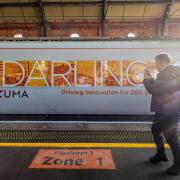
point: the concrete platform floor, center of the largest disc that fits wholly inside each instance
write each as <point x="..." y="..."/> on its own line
<point x="131" y="163"/>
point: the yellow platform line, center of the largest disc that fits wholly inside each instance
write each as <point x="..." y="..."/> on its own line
<point x="82" y="145"/>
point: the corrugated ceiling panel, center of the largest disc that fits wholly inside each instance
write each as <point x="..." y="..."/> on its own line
<point x="134" y="10"/>
<point x="155" y="10"/>
<point x="15" y="1"/>
<point x="52" y="0"/>
<point x="115" y="11"/>
<point x="28" y="0"/>
<point x="92" y="12"/>
<point x="69" y="0"/>
<point x="31" y="13"/>
<point x="72" y="1"/>
<point x="53" y="13"/>
<point x="13" y="13"/>
<point x="94" y="0"/>
<point x="72" y="12"/>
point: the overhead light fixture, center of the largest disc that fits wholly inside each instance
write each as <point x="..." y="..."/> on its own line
<point x="74" y="35"/>
<point x="18" y="35"/>
<point x="131" y="35"/>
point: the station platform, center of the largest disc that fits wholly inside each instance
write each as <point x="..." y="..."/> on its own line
<point x="26" y="151"/>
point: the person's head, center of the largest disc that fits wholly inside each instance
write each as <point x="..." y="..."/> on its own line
<point x="162" y="61"/>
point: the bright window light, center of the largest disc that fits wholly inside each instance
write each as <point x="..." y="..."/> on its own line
<point x="18" y="35"/>
<point x="74" y="35"/>
<point x="131" y="35"/>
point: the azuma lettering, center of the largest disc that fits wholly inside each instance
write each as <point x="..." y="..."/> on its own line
<point x="13" y="94"/>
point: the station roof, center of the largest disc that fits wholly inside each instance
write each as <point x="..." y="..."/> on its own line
<point x="67" y="10"/>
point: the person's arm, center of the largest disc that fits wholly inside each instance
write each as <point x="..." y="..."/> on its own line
<point x="149" y="83"/>
<point x="159" y="86"/>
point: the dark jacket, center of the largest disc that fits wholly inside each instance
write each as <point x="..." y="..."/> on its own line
<point x="165" y="92"/>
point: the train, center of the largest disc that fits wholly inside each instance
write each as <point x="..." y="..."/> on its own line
<point x="99" y="77"/>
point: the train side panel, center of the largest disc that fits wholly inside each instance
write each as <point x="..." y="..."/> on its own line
<point x="78" y="77"/>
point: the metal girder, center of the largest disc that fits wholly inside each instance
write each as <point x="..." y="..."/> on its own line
<point x="139" y="2"/>
<point x="62" y="8"/>
<point x="43" y="16"/>
<point x="100" y="2"/>
<point x="54" y="3"/>
<point x="165" y="17"/>
<point x="104" y="18"/>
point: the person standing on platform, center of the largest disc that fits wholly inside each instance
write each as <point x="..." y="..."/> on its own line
<point x="165" y="100"/>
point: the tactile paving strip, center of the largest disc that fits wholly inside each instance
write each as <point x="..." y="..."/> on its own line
<point x="75" y="136"/>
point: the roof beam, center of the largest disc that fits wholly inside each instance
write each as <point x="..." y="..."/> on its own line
<point x="165" y="18"/>
<point x="43" y="17"/>
<point x="139" y="2"/>
<point x="62" y="8"/>
<point x="100" y="2"/>
<point x="105" y="8"/>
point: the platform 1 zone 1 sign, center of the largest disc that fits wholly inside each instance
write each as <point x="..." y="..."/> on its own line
<point x="73" y="159"/>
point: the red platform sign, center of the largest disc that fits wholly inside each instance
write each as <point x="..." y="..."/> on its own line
<point x="73" y="159"/>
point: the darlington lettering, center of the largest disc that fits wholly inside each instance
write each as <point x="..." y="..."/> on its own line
<point x="72" y="73"/>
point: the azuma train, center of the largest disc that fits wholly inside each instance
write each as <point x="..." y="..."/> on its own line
<point x="79" y="77"/>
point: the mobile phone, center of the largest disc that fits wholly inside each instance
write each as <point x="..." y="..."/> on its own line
<point x="147" y="72"/>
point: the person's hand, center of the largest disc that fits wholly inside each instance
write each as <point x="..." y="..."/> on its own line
<point x="147" y="74"/>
